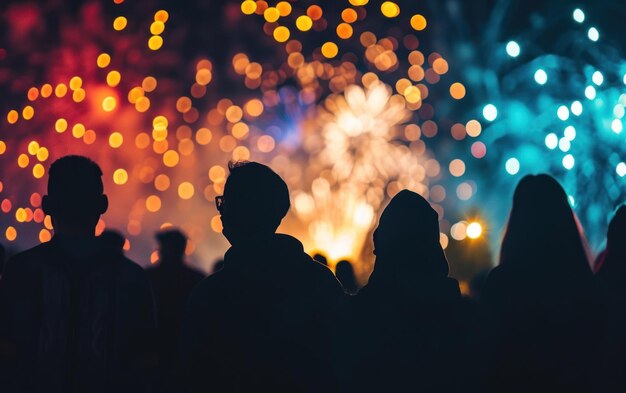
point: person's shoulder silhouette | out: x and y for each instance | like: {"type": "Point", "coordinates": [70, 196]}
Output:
{"type": "Point", "coordinates": [261, 322]}
{"type": "Point", "coordinates": [613, 269]}
{"type": "Point", "coordinates": [411, 314]}
{"type": "Point", "coordinates": [86, 289]}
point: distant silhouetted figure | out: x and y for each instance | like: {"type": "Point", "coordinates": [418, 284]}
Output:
{"type": "Point", "coordinates": [75, 316]}
{"type": "Point", "coordinates": [612, 274]}
{"type": "Point", "coordinates": [546, 309]}
{"type": "Point", "coordinates": [113, 241]}
{"type": "Point", "coordinates": [261, 324]}
{"type": "Point", "coordinates": [320, 258]}
{"type": "Point", "coordinates": [172, 282]}
{"type": "Point", "coordinates": [345, 274]}
{"type": "Point", "coordinates": [415, 329]}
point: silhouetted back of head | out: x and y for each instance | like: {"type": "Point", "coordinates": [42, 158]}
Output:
{"type": "Point", "coordinates": [75, 192]}
{"type": "Point", "coordinates": [255, 201]}
{"type": "Point", "coordinates": [321, 259]}
{"type": "Point", "coordinates": [172, 245]}
{"type": "Point", "coordinates": [345, 274]}
{"type": "Point", "coordinates": [542, 232]}
{"type": "Point", "coordinates": [113, 241]}
{"type": "Point", "coordinates": [614, 267]}
{"type": "Point", "coordinates": [407, 238]}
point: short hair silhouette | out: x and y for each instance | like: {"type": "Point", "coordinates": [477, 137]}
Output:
{"type": "Point", "coordinates": [543, 229]}
{"type": "Point", "coordinates": [113, 241]}
{"type": "Point", "coordinates": [321, 258]}
{"type": "Point", "coordinates": [75, 191]}
{"type": "Point", "coordinates": [345, 274]}
{"type": "Point", "coordinates": [255, 201]}
{"type": "Point", "coordinates": [172, 243]}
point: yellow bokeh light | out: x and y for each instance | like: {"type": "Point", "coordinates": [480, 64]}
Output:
{"type": "Point", "coordinates": [349, 15]}
{"type": "Point", "coordinates": [44, 236]}
{"type": "Point", "coordinates": [241, 153]}
{"type": "Point", "coordinates": [116, 140]}
{"type": "Point", "coordinates": [344, 31]}
{"type": "Point", "coordinates": [155, 42]}
{"type": "Point", "coordinates": [240, 130]}
{"type": "Point", "coordinates": [11, 233]}
{"type": "Point", "coordinates": [216, 224]}
{"type": "Point", "coordinates": [42, 154]}
{"type": "Point", "coordinates": [61, 90]}
{"type": "Point", "coordinates": [23, 160]}
{"type": "Point", "coordinates": [113, 78]}
{"type": "Point", "coordinates": [186, 190]}
{"type": "Point", "coordinates": [271, 14]}
{"type": "Point", "coordinates": [217, 174]}
{"type": "Point", "coordinates": [234, 113]}
{"type": "Point", "coordinates": [134, 94]}
{"type": "Point", "coordinates": [46, 90]}
{"type": "Point", "coordinates": [162, 182]}
{"type": "Point", "coordinates": [120, 176]}
{"type": "Point", "coordinates": [32, 94]}
{"type": "Point", "coordinates": [33, 146]}
{"type": "Point", "coordinates": [266, 144]}
{"type": "Point", "coordinates": [12, 116]}
{"type": "Point", "coordinates": [78, 131]}
{"type": "Point", "coordinates": [60, 125]}
{"type": "Point", "coordinates": [109, 104]}
{"type": "Point", "coordinates": [153, 203]}
{"type": "Point", "coordinates": [473, 128]}
{"type": "Point", "coordinates": [120, 23]}
{"type": "Point", "coordinates": [254, 107]}
{"type": "Point", "coordinates": [359, 3]}
{"type": "Point", "coordinates": [171, 158]}
{"type": "Point", "coordinates": [79, 95]}
{"type": "Point", "coordinates": [330, 50]}
{"type": "Point", "coordinates": [89, 137]}
{"type": "Point", "coordinates": [142, 140]}
{"type": "Point", "coordinates": [284, 8]}
{"type": "Point", "coordinates": [142, 104]}
{"type": "Point", "coordinates": [3, 147]}
{"type": "Point", "coordinates": [76, 83]}
{"type": "Point", "coordinates": [104, 59]}
{"type": "Point", "coordinates": [474, 230]}
{"type": "Point", "coordinates": [20, 215]}
{"type": "Point", "coordinates": [149, 83]}
{"type": "Point", "coordinates": [157, 27]}
{"type": "Point", "coordinates": [281, 34]}
{"type": "Point", "coordinates": [38, 171]}
{"type": "Point", "coordinates": [161, 16]}
{"type": "Point", "coordinates": [248, 7]}
{"type": "Point", "coordinates": [204, 76]}
{"type": "Point", "coordinates": [418, 22]}
{"type": "Point", "coordinates": [390, 9]}
{"type": "Point", "coordinates": [457, 91]}
{"type": "Point", "coordinates": [28, 112]}
{"type": "Point", "coordinates": [304, 23]}
{"type": "Point", "coordinates": [440, 65]}
{"type": "Point", "coordinates": [457, 168]}
{"type": "Point", "coordinates": [204, 136]}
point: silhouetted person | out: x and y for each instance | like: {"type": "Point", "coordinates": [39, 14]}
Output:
{"type": "Point", "coordinates": [414, 327]}
{"type": "Point", "coordinates": [262, 322]}
{"type": "Point", "coordinates": [76, 316]}
{"type": "Point", "coordinates": [113, 241]}
{"type": "Point", "coordinates": [612, 275]}
{"type": "Point", "coordinates": [320, 258]}
{"type": "Point", "coordinates": [172, 282]}
{"type": "Point", "coordinates": [477, 284]}
{"type": "Point", "coordinates": [546, 310]}
{"type": "Point", "coordinates": [345, 274]}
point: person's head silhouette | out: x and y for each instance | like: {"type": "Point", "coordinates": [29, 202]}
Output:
{"type": "Point", "coordinates": [172, 245]}
{"type": "Point", "coordinates": [345, 274]}
{"type": "Point", "coordinates": [113, 241]}
{"type": "Point", "coordinates": [254, 203]}
{"type": "Point", "coordinates": [542, 232]}
{"type": "Point", "coordinates": [75, 199]}
{"type": "Point", "coordinates": [406, 242]}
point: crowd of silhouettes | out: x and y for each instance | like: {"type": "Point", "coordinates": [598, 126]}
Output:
{"type": "Point", "coordinates": [76, 315]}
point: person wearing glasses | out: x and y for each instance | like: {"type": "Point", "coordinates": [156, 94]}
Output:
{"type": "Point", "coordinates": [263, 322]}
